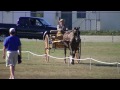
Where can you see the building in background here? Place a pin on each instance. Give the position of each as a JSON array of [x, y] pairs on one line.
[[110, 20], [86, 20], [12, 16]]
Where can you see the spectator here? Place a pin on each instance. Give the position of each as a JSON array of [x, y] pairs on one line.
[[11, 45]]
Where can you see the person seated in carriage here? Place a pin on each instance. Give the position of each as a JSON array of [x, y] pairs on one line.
[[61, 29]]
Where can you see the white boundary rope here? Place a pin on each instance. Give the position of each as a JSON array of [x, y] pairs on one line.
[[117, 63], [68, 57], [105, 62]]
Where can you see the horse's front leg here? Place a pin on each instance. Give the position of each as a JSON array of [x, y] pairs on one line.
[[73, 56], [65, 53], [78, 55], [70, 52]]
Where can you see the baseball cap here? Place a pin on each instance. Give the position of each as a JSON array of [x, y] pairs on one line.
[[12, 30]]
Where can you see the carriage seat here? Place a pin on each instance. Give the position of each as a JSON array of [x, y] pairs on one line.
[[56, 34]]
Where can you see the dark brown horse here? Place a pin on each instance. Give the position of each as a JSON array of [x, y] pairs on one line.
[[71, 40]]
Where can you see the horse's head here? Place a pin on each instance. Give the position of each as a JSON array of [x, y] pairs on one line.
[[76, 33]]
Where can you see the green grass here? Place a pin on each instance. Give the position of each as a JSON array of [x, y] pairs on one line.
[[37, 68]]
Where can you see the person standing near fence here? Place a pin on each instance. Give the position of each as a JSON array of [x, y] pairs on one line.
[[11, 45]]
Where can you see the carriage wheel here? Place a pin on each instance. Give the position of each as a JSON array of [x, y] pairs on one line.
[[46, 40], [78, 53]]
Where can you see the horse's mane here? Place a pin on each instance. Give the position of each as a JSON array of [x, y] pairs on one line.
[[69, 35]]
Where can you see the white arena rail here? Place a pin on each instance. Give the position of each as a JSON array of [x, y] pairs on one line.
[[116, 63]]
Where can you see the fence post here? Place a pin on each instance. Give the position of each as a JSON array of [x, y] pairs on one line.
[[68, 65], [68, 62], [118, 68], [112, 37], [90, 63], [28, 56], [84, 41]]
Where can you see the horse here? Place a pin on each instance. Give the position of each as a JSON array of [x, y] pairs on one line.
[[71, 40]]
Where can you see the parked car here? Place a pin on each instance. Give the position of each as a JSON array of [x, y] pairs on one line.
[[27, 27]]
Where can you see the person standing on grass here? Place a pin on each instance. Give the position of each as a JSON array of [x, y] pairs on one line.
[[11, 46]]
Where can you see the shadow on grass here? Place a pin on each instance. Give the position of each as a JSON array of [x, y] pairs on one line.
[[61, 64], [30, 64], [97, 64], [2, 62], [50, 64]]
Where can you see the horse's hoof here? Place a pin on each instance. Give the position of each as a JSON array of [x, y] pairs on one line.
[[72, 63], [78, 62]]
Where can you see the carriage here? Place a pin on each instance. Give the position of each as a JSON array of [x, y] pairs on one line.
[[53, 42]]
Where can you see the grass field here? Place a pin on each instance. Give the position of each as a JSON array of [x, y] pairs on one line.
[[37, 68]]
